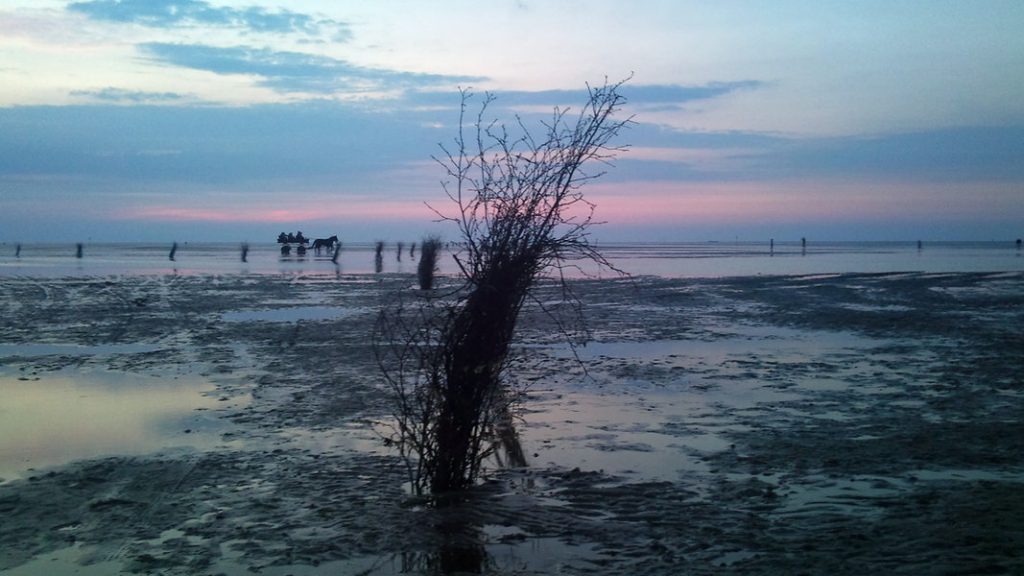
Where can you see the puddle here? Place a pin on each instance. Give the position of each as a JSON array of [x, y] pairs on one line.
[[778, 341], [662, 431], [854, 495], [352, 436], [293, 314], [67, 416], [877, 307], [66, 561], [642, 437], [968, 475], [491, 554], [538, 555], [35, 349]]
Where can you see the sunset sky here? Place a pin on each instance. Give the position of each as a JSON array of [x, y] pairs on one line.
[[159, 120]]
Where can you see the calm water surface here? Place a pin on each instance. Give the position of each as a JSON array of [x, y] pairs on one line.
[[681, 260]]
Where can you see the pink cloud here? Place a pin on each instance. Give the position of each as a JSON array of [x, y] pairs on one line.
[[655, 202], [310, 209], [665, 202]]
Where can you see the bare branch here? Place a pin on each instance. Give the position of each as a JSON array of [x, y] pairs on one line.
[[518, 204]]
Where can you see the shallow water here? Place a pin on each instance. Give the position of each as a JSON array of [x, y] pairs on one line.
[[723, 423], [619, 436], [642, 431], [37, 349], [59, 417], [292, 314], [73, 560], [672, 260], [493, 550]]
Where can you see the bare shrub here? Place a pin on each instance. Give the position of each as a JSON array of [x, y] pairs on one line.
[[519, 210]]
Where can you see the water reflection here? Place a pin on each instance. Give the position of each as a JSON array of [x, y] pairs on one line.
[[460, 550], [66, 416], [45, 349], [465, 546], [690, 260]]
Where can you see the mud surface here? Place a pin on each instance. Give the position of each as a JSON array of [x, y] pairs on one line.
[[841, 424]]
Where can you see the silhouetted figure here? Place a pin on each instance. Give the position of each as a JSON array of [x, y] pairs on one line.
[[803, 246], [17, 249], [245, 251], [290, 238], [174, 248], [282, 238], [78, 250], [378, 258], [300, 238]]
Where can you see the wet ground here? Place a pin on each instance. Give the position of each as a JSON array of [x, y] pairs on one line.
[[836, 424]]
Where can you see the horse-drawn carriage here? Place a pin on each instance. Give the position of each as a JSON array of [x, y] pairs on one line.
[[286, 241]]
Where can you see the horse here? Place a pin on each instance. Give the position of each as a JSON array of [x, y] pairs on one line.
[[327, 243]]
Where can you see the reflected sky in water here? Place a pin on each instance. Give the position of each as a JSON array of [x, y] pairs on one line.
[[60, 417], [676, 260]]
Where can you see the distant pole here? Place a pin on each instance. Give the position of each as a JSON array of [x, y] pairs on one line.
[[245, 251], [78, 250], [803, 246], [771, 247]]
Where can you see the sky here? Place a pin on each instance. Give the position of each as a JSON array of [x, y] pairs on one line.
[[224, 120]]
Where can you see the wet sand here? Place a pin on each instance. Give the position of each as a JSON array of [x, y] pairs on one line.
[[836, 424]]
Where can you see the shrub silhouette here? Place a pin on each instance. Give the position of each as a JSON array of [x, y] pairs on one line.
[[519, 210]]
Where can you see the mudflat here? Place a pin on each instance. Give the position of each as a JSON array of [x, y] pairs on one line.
[[826, 424]]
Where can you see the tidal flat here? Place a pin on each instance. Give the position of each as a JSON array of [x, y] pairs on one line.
[[802, 424]]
